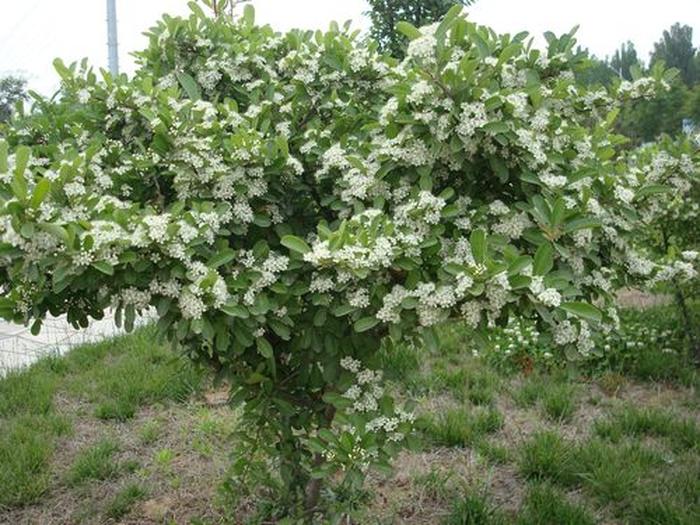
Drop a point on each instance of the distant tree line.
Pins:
(644, 120)
(13, 89)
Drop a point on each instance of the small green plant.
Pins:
(614, 474)
(150, 432)
(26, 445)
(547, 456)
(401, 361)
(493, 452)
(164, 458)
(473, 509)
(632, 421)
(26, 392)
(94, 462)
(611, 383)
(460, 427)
(124, 500)
(140, 373)
(558, 402)
(546, 505)
(529, 392)
(436, 484)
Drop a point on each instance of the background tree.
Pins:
(12, 90)
(623, 59)
(676, 49)
(597, 70)
(385, 14)
(645, 120)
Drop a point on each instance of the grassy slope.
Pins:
(122, 432)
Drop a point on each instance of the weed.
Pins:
(124, 500)
(545, 505)
(558, 402)
(546, 456)
(473, 509)
(436, 484)
(95, 462)
(461, 426)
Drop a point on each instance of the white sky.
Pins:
(34, 32)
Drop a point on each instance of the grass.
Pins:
(613, 474)
(473, 509)
(617, 442)
(436, 484)
(124, 500)
(558, 403)
(653, 422)
(94, 463)
(476, 384)
(529, 392)
(459, 427)
(545, 504)
(546, 456)
(26, 445)
(115, 378)
(141, 373)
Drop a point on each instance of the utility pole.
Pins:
(112, 45)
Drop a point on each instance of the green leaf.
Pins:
(40, 190)
(499, 168)
(431, 340)
(235, 310)
(21, 159)
(264, 347)
(57, 231)
(583, 310)
(496, 127)
(19, 182)
(365, 324)
(3, 156)
(558, 211)
(337, 400)
(651, 189)
(581, 223)
(249, 15)
(190, 85)
(104, 267)
(544, 259)
(478, 244)
(294, 243)
(408, 30)
(519, 264)
(542, 211)
(280, 329)
(221, 258)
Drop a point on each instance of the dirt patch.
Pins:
(632, 298)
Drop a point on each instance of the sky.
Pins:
(34, 32)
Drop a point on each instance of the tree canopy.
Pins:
(289, 203)
(12, 90)
(385, 14)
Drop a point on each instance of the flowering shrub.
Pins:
(287, 202)
(642, 336)
(670, 213)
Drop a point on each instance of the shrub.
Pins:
(286, 202)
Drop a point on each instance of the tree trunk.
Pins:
(688, 321)
(313, 487)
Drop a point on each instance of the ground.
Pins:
(126, 432)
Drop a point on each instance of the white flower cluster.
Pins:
(365, 392)
(547, 296)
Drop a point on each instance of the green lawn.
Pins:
(124, 431)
